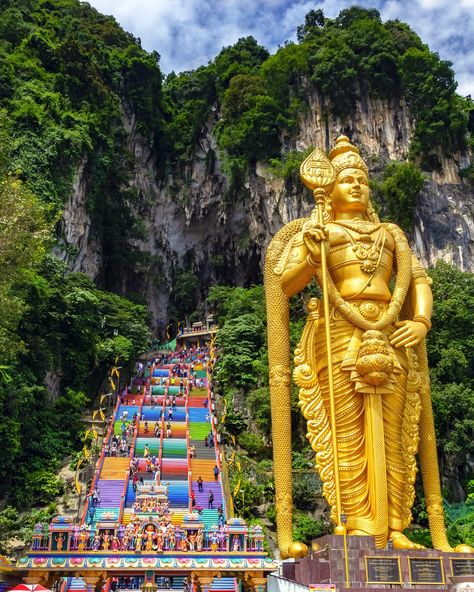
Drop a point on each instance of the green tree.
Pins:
(401, 184)
(450, 345)
(244, 57)
(305, 529)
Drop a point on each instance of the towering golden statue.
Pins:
(361, 362)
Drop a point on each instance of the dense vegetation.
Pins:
(262, 97)
(242, 371)
(70, 78)
(51, 321)
(67, 77)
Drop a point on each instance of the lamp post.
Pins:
(346, 560)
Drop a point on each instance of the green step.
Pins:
(157, 390)
(198, 430)
(174, 448)
(153, 446)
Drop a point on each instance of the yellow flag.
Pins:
(78, 483)
(102, 397)
(236, 488)
(112, 383)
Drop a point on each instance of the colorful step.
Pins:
(178, 430)
(174, 448)
(115, 468)
(203, 468)
(198, 414)
(174, 469)
(202, 497)
(110, 492)
(152, 443)
(178, 493)
(199, 430)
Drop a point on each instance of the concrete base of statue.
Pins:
(369, 568)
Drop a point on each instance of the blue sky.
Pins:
(189, 33)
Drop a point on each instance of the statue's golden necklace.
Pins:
(368, 250)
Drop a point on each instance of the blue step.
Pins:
(151, 413)
(130, 408)
(197, 414)
(130, 495)
(178, 493)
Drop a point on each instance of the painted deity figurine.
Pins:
(361, 364)
(59, 542)
(171, 539)
(105, 541)
(83, 538)
(96, 542)
(138, 541)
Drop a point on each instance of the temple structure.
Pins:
(157, 515)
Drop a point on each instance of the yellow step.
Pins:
(126, 515)
(177, 515)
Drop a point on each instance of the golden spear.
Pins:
(317, 173)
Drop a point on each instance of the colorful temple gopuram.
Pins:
(157, 515)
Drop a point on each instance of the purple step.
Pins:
(203, 496)
(110, 492)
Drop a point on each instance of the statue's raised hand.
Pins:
(313, 236)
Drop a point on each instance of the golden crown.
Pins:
(318, 170)
(344, 155)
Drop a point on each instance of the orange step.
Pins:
(151, 428)
(178, 429)
(115, 468)
(202, 467)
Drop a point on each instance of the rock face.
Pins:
(82, 251)
(194, 224)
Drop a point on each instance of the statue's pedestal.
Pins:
(375, 569)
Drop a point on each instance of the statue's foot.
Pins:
(400, 541)
(463, 549)
(297, 550)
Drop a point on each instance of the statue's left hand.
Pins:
(408, 334)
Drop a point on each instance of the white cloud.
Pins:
(188, 33)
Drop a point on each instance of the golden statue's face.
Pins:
(351, 192)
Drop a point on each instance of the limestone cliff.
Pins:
(192, 224)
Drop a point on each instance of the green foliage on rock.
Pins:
(66, 70)
(259, 99)
(305, 529)
(397, 192)
(70, 78)
(450, 346)
(20, 526)
(55, 327)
